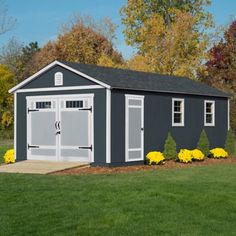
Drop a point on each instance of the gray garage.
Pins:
(109, 117)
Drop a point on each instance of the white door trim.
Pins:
(127, 106)
(59, 98)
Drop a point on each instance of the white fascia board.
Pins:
(26, 81)
(59, 88)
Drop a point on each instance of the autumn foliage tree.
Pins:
(169, 35)
(221, 67)
(82, 41)
(6, 100)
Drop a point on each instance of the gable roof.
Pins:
(133, 80)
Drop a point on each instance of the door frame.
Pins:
(58, 97)
(127, 106)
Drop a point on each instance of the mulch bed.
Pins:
(125, 169)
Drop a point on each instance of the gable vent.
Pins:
(58, 79)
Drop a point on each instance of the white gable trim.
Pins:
(26, 81)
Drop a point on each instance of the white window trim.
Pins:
(127, 106)
(213, 113)
(182, 112)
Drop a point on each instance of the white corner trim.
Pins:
(59, 88)
(108, 126)
(12, 90)
(15, 123)
(228, 113)
(213, 113)
(182, 112)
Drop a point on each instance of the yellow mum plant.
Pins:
(218, 153)
(9, 156)
(197, 155)
(155, 158)
(185, 156)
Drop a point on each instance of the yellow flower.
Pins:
(197, 155)
(185, 156)
(219, 153)
(155, 157)
(9, 156)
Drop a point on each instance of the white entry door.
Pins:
(134, 127)
(60, 128)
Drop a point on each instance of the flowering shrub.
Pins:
(185, 156)
(197, 155)
(218, 153)
(9, 156)
(155, 158)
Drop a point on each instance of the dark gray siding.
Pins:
(157, 122)
(99, 121)
(47, 79)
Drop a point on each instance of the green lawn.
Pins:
(4, 146)
(191, 201)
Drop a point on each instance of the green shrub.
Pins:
(203, 143)
(170, 148)
(230, 142)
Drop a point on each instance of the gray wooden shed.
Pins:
(110, 117)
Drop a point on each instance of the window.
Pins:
(209, 113)
(177, 112)
(43, 105)
(74, 104)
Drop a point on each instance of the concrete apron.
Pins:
(39, 167)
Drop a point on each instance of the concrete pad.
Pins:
(38, 167)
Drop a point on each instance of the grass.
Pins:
(191, 201)
(4, 146)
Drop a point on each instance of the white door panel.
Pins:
(134, 128)
(60, 128)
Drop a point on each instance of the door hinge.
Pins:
(86, 109)
(32, 146)
(87, 147)
(31, 110)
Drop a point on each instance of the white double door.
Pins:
(60, 128)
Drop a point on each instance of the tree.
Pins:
(230, 142)
(6, 22)
(137, 12)
(80, 41)
(170, 35)
(170, 152)
(19, 58)
(6, 99)
(221, 68)
(203, 143)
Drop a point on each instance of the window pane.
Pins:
(74, 104)
(209, 107)
(43, 105)
(209, 118)
(177, 118)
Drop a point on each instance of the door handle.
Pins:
(56, 124)
(142, 129)
(59, 124)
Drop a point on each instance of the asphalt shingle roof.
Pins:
(135, 80)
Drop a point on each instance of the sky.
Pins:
(40, 20)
